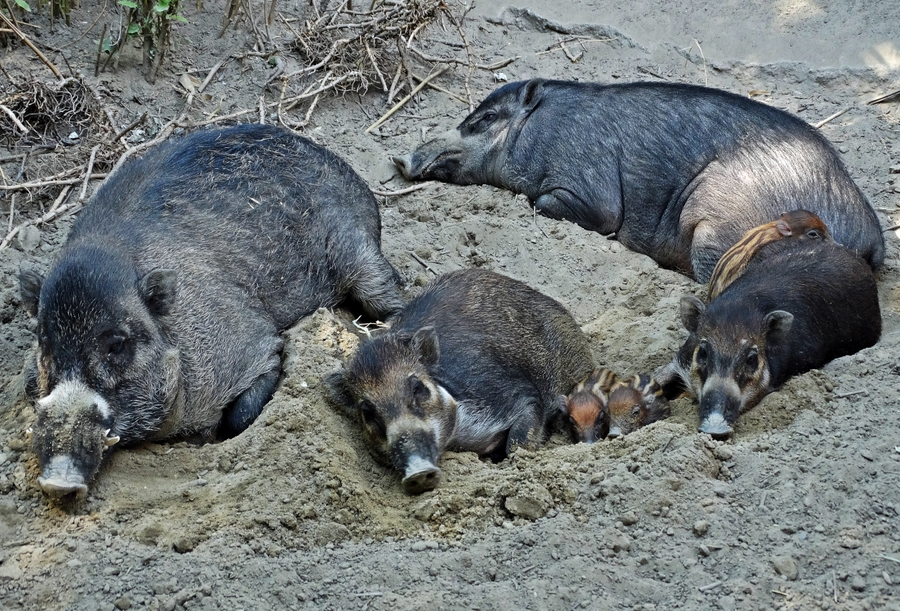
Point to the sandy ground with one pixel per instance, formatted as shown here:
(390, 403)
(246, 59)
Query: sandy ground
(798, 511)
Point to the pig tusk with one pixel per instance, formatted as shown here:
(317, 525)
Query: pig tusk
(109, 441)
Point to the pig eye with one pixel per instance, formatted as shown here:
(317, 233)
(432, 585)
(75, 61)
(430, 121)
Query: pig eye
(753, 361)
(702, 353)
(419, 390)
(486, 119)
(812, 234)
(371, 417)
(116, 348)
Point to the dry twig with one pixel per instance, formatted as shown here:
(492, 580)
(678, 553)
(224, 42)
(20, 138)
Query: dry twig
(831, 118)
(402, 102)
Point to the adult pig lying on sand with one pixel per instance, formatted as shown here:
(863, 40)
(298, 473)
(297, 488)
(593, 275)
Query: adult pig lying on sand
(677, 172)
(476, 363)
(797, 305)
(162, 313)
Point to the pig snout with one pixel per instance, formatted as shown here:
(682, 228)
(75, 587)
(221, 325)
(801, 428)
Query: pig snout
(421, 475)
(715, 408)
(614, 431)
(405, 164)
(70, 435)
(440, 159)
(415, 453)
(61, 479)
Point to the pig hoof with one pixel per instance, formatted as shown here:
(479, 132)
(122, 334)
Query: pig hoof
(717, 426)
(63, 490)
(423, 481)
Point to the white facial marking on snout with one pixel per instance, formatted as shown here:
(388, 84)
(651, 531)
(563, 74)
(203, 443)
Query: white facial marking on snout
(406, 425)
(716, 420)
(417, 464)
(71, 391)
(728, 385)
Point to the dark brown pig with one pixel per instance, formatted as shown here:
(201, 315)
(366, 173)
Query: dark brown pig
(798, 305)
(475, 363)
(586, 407)
(797, 224)
(677, 172)
(635, 402)
(161, 316)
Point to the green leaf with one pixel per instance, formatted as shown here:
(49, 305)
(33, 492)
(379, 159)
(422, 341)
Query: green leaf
(161, 7)
(178, 18)
(128, 3)
(23, 5)
(133, 28)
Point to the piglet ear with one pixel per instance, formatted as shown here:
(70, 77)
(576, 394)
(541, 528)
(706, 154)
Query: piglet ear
(562, 404)
(340, 390)
(30, 288)
(783, 228)
(778, 325)
(157, 289)
(691, 309)
(532, 93)
(425, 344)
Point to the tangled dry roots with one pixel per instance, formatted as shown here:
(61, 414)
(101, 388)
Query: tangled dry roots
(360, 49)
(50, 111)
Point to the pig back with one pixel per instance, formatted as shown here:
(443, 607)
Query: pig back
(497, 337)
(253, 208)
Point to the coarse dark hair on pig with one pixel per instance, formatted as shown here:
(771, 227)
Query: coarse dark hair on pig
(161, 316)
(677, 172)
(475, 363)
(798, 305)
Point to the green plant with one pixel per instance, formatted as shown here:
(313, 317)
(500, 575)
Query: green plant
(150, 20)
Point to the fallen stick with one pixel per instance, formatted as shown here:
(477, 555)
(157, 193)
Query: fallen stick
(406, 99)
(47, 217)
(31, 46)
(404, 191)
(831, 118)
(850, 394)
(714, 584)
(423, 263)
(90, 166)
(212, 73)
(439, 88)
(14, 119)
(885, 98)
(48, 183)
(130, 127)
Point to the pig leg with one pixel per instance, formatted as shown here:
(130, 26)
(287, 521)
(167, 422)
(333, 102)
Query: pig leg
(375, 284)
(562, 204)
(528, 424)
(249, 404)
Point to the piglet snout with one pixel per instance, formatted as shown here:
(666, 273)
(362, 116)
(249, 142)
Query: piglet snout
(421, 475)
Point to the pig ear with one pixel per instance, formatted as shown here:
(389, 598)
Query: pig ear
(778, 325)
(783, 228)
(425, 344)
(561, 401)
(339, 389)
(691, 309)
(30, 287)
(532, 93)
(157, 289)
